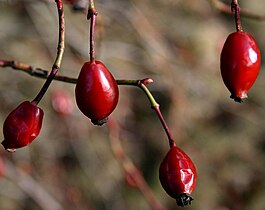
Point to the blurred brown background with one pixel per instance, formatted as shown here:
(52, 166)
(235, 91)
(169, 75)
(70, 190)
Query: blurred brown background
(177, 43)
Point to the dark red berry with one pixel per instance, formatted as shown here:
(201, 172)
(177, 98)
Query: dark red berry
(22, 126)
(62, 103)
(240, 64)
(96, 92)
(178, 176)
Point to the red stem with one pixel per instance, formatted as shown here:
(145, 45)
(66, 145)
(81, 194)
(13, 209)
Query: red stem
(235, 8)
(166, 128)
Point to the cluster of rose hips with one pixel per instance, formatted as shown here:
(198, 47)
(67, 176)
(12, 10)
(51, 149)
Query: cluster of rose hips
(97, 95)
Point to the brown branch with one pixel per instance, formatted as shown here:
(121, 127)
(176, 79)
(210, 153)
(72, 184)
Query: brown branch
(36, 72)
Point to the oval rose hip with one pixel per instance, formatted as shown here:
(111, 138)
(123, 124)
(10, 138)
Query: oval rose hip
(22, 126)
(178, 176)
(240, 64)
(96, 92)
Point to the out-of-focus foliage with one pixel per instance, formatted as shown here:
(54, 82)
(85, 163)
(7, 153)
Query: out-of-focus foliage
(175, 42)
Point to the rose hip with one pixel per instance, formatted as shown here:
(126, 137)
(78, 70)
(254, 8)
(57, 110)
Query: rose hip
(22, 126)
(96, 92)
(240, 64)
(178, 176)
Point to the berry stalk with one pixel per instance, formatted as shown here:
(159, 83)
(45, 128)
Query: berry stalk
(236, 10)
(154, 105)
(60, 50)
(91, 14)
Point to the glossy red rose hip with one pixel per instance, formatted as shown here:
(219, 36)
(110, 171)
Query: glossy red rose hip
(240, 64)
(22, 126)
(96, 92)
(178, 176)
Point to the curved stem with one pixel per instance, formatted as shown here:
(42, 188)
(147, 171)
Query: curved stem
(236, 10)
(92, 16)
(60, 50)
(154, 105)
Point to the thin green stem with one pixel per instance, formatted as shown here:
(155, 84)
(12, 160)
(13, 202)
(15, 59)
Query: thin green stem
(149, 95)
(60, 50)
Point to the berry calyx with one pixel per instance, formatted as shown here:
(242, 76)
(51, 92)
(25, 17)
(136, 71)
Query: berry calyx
(96, 92)
(22, 126)
(240, 64)
(177, 175)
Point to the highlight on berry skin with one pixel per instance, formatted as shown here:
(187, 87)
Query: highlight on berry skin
(22, 126)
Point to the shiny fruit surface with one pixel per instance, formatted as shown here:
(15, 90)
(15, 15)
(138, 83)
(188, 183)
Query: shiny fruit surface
(240, 64)
(178, 176)
(96, 92)
(22, 126)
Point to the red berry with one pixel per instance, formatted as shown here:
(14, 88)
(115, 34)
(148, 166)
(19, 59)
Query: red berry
(62, 103)
(240, 64)
(22, 126)
(96, 92)
(178, 176)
